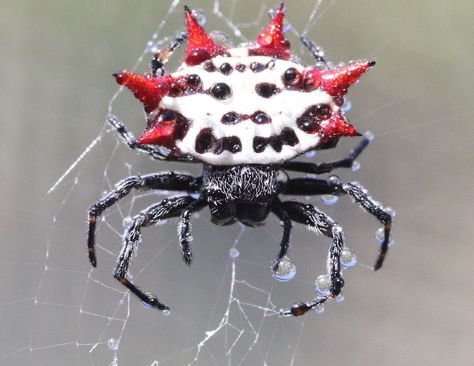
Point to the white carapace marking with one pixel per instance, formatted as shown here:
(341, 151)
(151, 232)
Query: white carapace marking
(205, 111)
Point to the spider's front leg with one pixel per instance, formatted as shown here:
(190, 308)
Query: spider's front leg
(129, 139)
(162, 210)
(309, 215)
(166, 181)
(184, 228)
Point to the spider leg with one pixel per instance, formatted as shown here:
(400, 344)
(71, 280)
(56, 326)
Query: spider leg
(309, 215)
(162, 56)
(169, 180)
(304, 167)
(184, 228)
(285, 240)
(162, 210)
(313, 186)
(316, 51)
(129, 139)
(363, 199)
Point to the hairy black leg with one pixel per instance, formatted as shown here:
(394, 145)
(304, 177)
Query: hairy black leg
(300, 166)
(167, 181)
(129, 139)
(316, 51)
(314, 186)
(285, 240)
(362, 198)
(184, 228)
(159, 211)
(311, 216)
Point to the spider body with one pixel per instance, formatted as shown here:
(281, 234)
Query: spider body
(244, 113)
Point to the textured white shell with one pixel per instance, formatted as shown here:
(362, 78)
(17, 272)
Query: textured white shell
(205, 111)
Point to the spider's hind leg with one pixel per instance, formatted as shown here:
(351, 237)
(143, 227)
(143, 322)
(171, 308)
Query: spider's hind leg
(362, 198)
(322, 168)
(162, 210)
(285, 240)
(314, 186)
(309, 215)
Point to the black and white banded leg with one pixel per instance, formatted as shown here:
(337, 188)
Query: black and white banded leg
(309, 215)
(184, 228)
(363, 199)
(162, 210)
(161, 56)
(314, 186)
(311, 168)
(316, 51)
(164, 181)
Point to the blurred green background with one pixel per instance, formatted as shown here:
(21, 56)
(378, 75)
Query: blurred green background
(57, 58)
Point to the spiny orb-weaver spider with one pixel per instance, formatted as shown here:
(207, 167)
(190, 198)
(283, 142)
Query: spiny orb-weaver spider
(244, 113)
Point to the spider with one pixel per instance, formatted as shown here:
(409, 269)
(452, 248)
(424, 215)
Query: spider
(244, 113)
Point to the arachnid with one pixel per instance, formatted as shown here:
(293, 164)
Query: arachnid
(244, 113)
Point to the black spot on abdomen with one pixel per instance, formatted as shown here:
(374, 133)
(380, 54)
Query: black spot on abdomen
(205, 141)
(287, 137)
(266, 90)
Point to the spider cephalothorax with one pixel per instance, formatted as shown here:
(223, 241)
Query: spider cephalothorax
(245, 113)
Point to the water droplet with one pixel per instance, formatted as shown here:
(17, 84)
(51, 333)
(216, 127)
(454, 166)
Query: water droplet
(113, 344)
(127, 222)
(146, 305)
(286, 270)
(149, 46)
(340, 298)
(166, 312)
(286, 26)
(369, 135)
(322, 285)
(234, 253)
(200, 16)
(380, 235)
(348, 258)
(346, 107)
(319, 309)
(310, 154)
(391, 211)
(222, 38)
(329, 199)
(334, 179)
(355, 166)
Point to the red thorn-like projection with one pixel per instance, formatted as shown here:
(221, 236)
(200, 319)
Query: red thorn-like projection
(148, 90)
(271, 41)
(163, 134)
(336, 127)
(200, 46)
(336, 81)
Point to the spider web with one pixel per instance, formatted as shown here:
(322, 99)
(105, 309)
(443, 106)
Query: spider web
(224, 309)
